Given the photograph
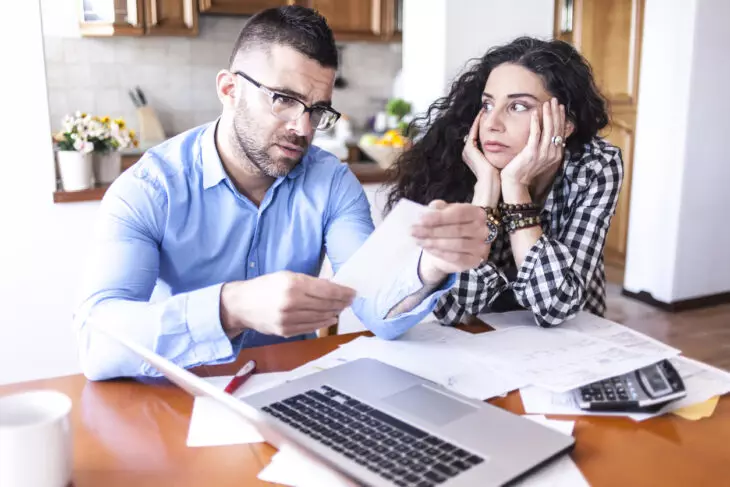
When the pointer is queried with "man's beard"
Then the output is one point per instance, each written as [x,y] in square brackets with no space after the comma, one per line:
[257,151]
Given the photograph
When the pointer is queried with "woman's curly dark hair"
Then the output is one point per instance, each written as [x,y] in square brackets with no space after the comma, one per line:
[433,169]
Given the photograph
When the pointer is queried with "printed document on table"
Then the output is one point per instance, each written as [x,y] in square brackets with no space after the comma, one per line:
[288,467]
[381,260]
[554,358]
[588,323]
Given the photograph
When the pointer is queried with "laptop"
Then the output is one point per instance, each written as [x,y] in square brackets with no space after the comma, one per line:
[368,423]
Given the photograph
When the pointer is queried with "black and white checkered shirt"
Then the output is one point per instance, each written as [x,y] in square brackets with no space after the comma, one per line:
[563,273]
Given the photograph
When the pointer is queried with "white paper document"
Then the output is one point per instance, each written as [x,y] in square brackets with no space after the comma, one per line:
[563,472]
[556,359]
[429,350]
[383,258]
[702,382]
[214,424]
[287,467]
[565,427]
[589,324]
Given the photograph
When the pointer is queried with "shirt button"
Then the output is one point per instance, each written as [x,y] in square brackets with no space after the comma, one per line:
[252,265]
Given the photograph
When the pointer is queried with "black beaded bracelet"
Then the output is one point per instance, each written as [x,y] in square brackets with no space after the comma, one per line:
[521,207]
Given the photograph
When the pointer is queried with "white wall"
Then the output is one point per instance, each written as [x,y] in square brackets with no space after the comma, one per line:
[678,244]
[424,48]
[441,36]
[658,166]
[474,26]
[43,244]
[703,250]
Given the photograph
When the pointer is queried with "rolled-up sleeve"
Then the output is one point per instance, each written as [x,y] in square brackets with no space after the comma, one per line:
[554,276]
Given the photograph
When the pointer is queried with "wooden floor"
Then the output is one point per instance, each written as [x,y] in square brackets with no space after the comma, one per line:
[701,334]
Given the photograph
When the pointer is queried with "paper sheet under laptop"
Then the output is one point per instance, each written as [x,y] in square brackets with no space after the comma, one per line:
[213,424]
[385,254]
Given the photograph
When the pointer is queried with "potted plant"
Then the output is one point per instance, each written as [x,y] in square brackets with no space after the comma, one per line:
[75,146]
[107,160]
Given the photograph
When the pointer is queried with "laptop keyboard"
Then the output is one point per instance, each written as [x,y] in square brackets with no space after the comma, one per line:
[397,451]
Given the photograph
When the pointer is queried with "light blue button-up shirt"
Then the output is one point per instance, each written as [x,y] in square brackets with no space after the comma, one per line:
[175,222]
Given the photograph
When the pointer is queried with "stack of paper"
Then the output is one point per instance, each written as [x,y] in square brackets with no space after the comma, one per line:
[589,324]
[557,359]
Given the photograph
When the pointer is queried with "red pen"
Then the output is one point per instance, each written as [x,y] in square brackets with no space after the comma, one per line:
[241,377]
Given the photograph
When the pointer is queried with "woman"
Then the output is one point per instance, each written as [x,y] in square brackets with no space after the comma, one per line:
[517,135]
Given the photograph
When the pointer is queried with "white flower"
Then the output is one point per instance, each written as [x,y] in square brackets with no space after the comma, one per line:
[83,146]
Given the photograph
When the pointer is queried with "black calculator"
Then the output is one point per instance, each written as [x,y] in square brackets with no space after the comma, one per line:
[644,390]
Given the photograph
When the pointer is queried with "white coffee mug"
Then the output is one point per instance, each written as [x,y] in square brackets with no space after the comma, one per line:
[35,440]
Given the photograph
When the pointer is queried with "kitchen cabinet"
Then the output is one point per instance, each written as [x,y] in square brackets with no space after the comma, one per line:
[350,20]
[104,18]
[361,20]
[239,7]
[171,17]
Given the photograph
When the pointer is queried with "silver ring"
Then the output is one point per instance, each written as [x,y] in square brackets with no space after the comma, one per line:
[558,141]
[466,137]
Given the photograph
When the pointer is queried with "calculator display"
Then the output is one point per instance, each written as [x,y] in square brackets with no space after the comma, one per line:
[655,382]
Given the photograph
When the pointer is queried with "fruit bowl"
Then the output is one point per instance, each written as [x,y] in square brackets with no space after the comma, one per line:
[383,155]
[383,150]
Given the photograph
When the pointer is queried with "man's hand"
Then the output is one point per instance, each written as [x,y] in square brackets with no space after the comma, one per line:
[282,303]
[452,237]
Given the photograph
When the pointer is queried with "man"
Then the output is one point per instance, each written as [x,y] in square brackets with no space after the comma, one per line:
[232,218]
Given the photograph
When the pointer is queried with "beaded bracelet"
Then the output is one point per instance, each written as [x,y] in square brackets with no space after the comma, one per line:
[511,225]
[521,207]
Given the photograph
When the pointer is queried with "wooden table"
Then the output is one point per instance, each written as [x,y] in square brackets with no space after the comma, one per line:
[133,434]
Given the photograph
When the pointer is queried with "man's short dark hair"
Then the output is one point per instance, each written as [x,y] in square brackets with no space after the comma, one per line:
[300,28]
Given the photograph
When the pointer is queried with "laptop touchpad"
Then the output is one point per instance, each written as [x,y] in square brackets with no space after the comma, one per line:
[429,405]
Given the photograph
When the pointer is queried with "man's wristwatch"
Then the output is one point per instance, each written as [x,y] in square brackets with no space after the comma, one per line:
[493,223]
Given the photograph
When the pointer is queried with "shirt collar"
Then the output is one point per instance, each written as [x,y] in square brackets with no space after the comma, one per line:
[213,172]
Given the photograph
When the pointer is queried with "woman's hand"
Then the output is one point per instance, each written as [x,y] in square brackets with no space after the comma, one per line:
[542,152]
[487,187]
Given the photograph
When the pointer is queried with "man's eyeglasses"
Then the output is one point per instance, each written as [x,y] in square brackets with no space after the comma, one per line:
[288,108]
